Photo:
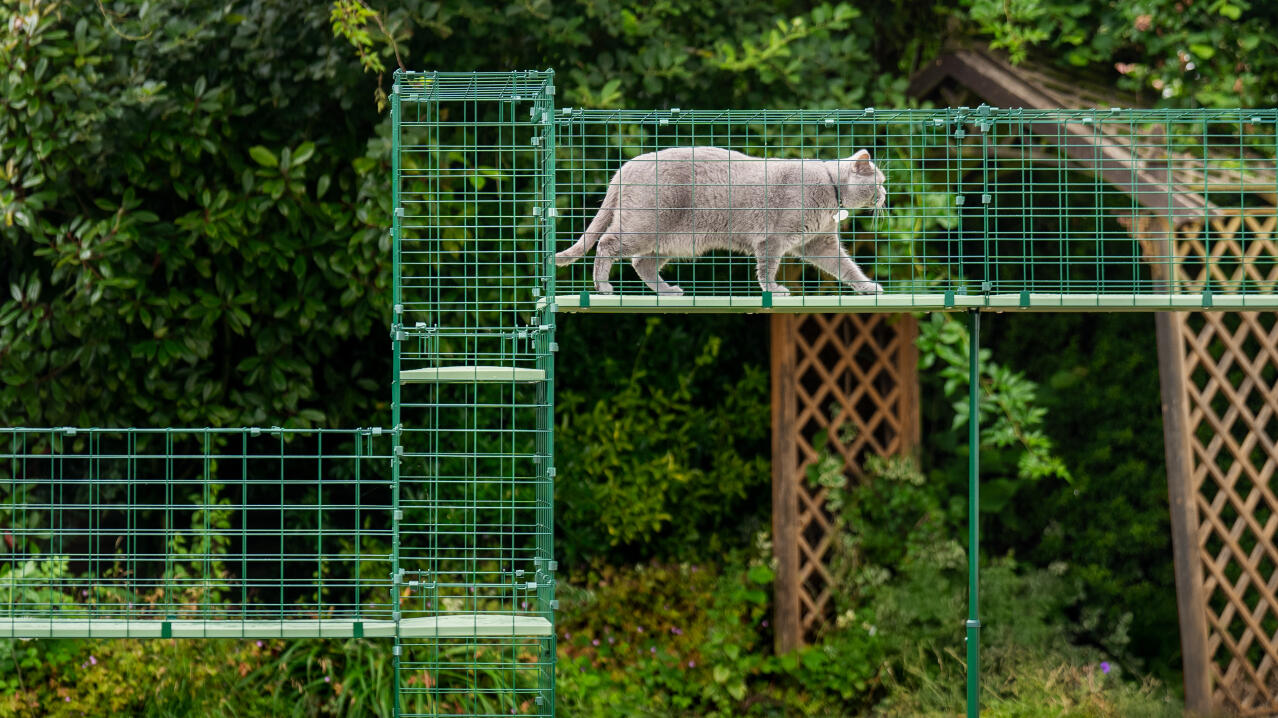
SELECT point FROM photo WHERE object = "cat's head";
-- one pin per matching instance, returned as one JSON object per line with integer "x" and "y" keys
{"x": 864, "y": 184}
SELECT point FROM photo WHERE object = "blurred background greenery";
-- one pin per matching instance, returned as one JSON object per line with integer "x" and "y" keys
{"x": 193, "y": 197}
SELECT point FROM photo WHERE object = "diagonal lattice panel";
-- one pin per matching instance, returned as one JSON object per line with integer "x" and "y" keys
{"x": 852, "y": 379}
{"x": 1221, "y": 430}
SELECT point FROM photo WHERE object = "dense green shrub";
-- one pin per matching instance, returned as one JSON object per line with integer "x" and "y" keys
{"x": 662, "y": 438}
{"x": 1100, "y": 390}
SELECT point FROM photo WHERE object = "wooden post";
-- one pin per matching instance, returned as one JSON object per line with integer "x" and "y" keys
{"x": 1183, "y": 502}
{"x": 785, "y": 503}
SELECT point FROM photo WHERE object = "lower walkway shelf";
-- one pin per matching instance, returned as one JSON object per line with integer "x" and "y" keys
{"x": 464, "y": 625}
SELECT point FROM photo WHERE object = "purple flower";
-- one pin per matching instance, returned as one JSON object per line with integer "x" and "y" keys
{"x": 259, "y": 644}
{"x": 93, "y": 661}
{"x": 641, "y": 629}
{"x": 327, "y": 679}
{"x": 692, "y": 664}
{"x": 652, "y": 650}
{"x": 595, "y": 642}
{"x": 611, "y": 640}
{"x": 1105, "y": 667}
{"x": 567, "y": 636}
{"x": 677, "y": 631}
{"x": 765, "y": 623}
{"x": 67, "y": 699}
{"x": 523, "y": 605}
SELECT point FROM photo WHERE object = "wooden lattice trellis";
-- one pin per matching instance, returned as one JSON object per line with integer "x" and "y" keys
{"x": 1220, "y": 404}
{"x": 828, "y": 370}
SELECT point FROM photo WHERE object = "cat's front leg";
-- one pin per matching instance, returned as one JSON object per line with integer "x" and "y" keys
{"x": 767, "y": 257}
{"x": 646, "y": 267}
{"x": 828, "y": 255}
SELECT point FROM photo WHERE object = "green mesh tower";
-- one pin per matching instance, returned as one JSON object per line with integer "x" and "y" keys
{"x": 473, "y": 394}
{"x": 436, "y": 533}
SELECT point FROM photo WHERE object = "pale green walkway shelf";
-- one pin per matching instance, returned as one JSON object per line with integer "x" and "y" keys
{"x": 455, "y": 626}
{"x": 435, "y": 532}
{"x": 444, "y": 375}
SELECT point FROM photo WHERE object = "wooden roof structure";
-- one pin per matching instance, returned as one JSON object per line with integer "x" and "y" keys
{"x": 1136, "y": 162}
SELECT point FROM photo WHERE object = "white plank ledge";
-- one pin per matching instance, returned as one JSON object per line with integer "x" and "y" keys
{"x": 463, "y": 374}
{"x": 446, "y": 626}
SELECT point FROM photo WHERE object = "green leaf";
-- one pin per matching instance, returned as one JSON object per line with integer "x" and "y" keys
{"x": 303, "y": 153}
{"x": 1206, "y": 52}
{"x": 263, "y": 156}
{"x": 761, "y": 574}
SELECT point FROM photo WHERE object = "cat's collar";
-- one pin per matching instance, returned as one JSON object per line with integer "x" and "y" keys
{"x": 841, "y": 214}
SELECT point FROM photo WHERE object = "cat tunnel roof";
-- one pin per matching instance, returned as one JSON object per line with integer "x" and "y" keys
{"x": 1131, "y": 160}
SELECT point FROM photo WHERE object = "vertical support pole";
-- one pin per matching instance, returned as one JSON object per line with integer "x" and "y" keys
{"x": 397, "y": 319}
{"x": 973, "y": 517}
{"x": 1182, "y": 501}
{"x": 785, "y": 500}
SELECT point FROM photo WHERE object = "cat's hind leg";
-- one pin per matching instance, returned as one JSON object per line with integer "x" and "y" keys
{"x": 607, "y": 251}
{"x": 647, "y": 267}
{"x": 826, "y": 254}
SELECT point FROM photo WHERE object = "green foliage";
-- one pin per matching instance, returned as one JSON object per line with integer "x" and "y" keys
{"x": 664, "y": 436}
{"x": 905, "y": 580}
{"x": 1213, "y": 54}
{"x": 173, "y": 252}
{"x": 1100, "y": 389}
{"x": 687, "y": 640}
{"x": 182, "y": 678}
{"x": 1015, "y": 450}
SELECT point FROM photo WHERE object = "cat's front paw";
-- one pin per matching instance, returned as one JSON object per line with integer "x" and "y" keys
{"x": 867, "y": 288}
{"x": 779, "y": 289}
{"x": 670, "y": 290}
{"x": 603, "y": 288}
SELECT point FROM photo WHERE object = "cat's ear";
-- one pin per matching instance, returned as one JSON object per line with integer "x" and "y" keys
{"x": 861, "y": 163}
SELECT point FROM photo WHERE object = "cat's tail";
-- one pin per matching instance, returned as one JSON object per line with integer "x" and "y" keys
{"x": 598, "y": 226}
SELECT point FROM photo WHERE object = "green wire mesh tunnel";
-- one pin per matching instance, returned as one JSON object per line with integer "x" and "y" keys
{"x": 436, "y": 532}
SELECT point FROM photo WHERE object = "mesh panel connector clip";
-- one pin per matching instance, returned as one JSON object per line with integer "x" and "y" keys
{"x": 552, "y": 566}
{"x": 554, "y": 605}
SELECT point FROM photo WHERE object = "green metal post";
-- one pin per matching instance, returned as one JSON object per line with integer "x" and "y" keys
{"x": 973, "y": 517}
{"x": 396, "y": 342}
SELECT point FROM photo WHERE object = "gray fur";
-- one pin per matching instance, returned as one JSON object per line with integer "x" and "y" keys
{"x": 686, "y": 201}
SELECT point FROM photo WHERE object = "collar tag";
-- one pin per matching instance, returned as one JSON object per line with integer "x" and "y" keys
{"x": 841, "y": 215}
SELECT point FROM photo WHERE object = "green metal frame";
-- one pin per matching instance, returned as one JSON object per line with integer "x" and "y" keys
{"x": 437, "y": 532}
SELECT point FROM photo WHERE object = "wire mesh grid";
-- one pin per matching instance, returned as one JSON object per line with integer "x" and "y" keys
{"x": 474, "y": 337}
{"x": 129, "y": 529}
{"x": 974, "y": 206}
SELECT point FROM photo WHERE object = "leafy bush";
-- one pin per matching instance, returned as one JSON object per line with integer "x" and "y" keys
{"x": 691, "y": 640}
{"x": 187, "y": 677}
{"x": 662, "y": 439}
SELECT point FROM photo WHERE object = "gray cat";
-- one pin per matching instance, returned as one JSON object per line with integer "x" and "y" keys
{"x": 686, "y": 201}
